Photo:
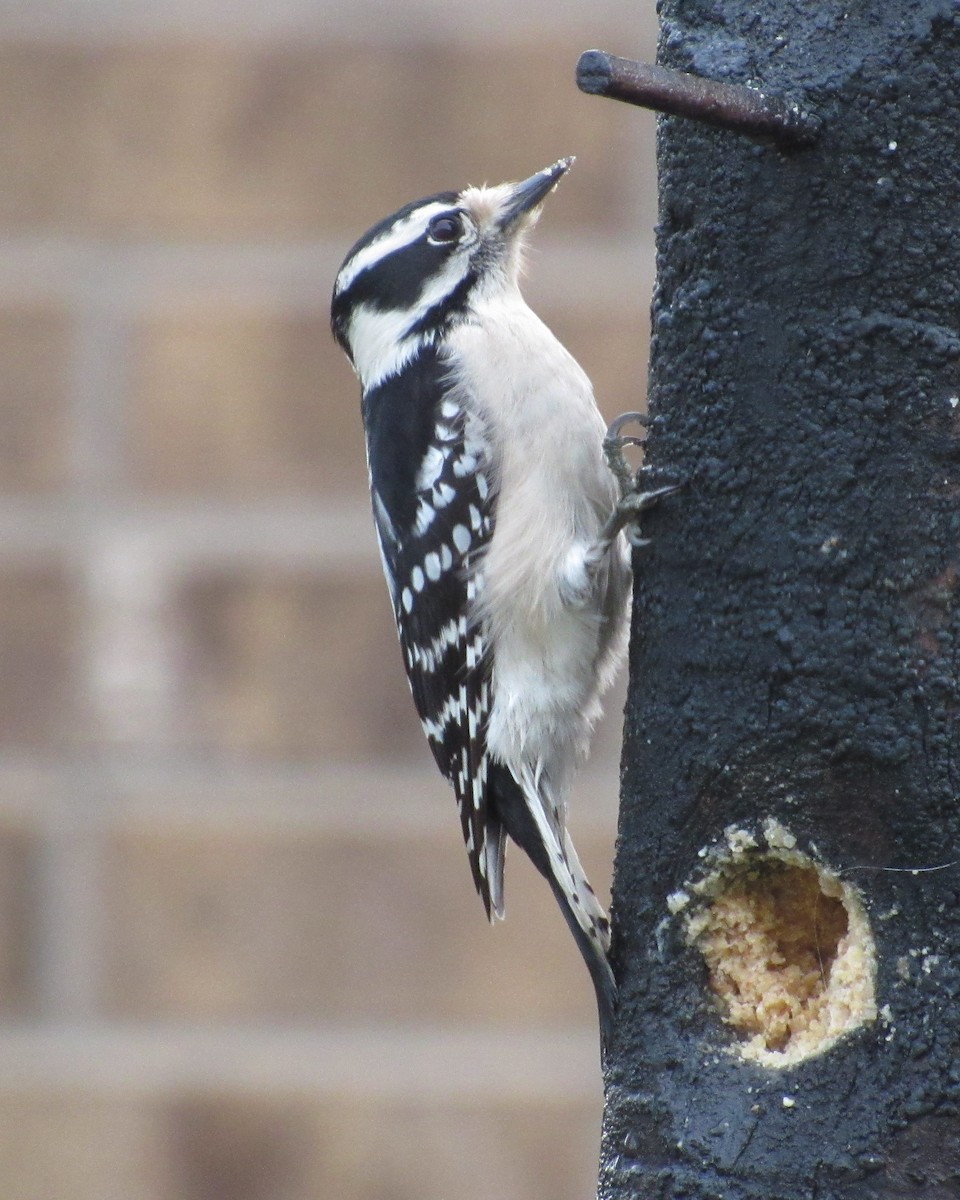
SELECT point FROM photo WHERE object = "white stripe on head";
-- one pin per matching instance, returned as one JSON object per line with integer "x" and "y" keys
{"x": 401, "y": 233}
{"x": 380, "y": 341}
{"x": 379, "y": 344}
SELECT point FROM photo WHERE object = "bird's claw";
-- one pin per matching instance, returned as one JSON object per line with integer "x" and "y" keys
{"x": 613, "y": 446}
{"x": 633, "y": 500}
{"x": 628, "y": 418}
{"x": 634, "y": 503}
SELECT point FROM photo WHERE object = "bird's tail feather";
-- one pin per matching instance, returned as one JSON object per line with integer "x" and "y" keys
{"x": 525, "y": 820}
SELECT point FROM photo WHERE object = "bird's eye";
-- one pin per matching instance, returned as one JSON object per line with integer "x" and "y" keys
{"x": 444, "y": 229}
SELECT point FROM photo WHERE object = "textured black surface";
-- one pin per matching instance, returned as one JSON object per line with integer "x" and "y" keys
{"x": 796, "y": 650}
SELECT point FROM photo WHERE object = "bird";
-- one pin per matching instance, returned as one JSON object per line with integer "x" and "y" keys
{"x": 501, "y": 526}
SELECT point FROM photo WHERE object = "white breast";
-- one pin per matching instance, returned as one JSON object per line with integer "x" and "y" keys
{"x": 538, "y": 405}
{"x": 555, "y": 492}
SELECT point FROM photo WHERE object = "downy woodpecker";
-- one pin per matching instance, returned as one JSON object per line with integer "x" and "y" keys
{"x": 499, "y": 526}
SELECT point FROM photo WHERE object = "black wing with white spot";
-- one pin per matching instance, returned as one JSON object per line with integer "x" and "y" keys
{"x": 433, "y": 527}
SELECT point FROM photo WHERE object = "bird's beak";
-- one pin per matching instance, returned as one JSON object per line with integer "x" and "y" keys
{"x": 524, "y": 197}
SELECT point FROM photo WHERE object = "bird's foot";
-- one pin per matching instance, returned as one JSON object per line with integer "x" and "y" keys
{"x": 614, "y": 444}
{"x": 633, "y": 498}
{"x": 626, "y": 515}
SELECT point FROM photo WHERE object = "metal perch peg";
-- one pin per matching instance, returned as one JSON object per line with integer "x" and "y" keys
{"x": 726, "y": 105}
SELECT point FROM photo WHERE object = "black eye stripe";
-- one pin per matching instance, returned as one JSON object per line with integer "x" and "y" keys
{"x": 393, "y": 277}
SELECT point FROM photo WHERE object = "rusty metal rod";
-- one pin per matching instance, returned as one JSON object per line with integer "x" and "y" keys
{"x": 725, "y": 105}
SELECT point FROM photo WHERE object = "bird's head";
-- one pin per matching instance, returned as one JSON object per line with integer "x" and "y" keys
{"x": 414, "y": 274}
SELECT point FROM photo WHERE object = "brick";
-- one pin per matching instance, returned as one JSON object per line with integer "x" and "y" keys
{"x": 435, "y": 117}
{"x": 223, "y": 924}
{"x": 18, "y": 921}
{"x": 356, "y": 1149}
{"x": 38, "y": 626}
{"x": 45, "y": 96}
{"x": 34, "y": 350}
{"x": 222, "y": 141}
{"x": 247, "y": 1149}
{"x": 294, "y": 664}
{"x": 83, "y": 1146}
{"x": 244, "y": 401}
{"x": 160, "y": 1145}
{"x": 547, "y": 1151}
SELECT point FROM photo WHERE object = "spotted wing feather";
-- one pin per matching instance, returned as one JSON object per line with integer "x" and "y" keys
{"x": 433, "y": 556}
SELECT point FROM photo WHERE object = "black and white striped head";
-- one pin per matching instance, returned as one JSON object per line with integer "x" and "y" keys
{"x": 417, "y": 272}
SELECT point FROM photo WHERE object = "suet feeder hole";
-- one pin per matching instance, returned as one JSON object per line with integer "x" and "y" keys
{"x": 787, "y": 945}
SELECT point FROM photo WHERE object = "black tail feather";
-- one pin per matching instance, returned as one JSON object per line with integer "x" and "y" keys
{"x": 597, "y": 964}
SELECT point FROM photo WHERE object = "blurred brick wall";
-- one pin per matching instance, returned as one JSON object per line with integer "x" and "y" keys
{"x": 240, "y": 953}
